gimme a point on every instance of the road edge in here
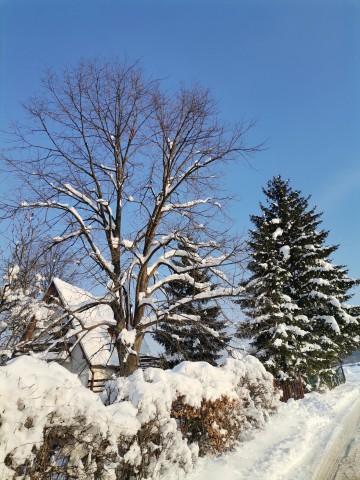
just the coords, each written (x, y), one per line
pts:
(335, 450)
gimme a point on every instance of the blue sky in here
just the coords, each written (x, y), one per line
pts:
(294, 66)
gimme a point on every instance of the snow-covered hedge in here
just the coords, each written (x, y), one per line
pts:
(51, 424)
(193, 408)
(152, 424)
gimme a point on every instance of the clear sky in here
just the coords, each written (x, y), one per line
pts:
(293, 65)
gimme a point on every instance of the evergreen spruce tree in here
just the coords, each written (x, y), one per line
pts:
(184, 339)
(296, 298)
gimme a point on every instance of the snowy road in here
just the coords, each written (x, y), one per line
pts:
(349, 468)
(340, 458)
(317, 438)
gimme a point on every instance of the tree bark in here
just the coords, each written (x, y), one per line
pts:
(129, 361)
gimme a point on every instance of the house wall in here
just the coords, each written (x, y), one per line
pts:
(92, 377)
(103, 372)
(79, 365)
(98, 377)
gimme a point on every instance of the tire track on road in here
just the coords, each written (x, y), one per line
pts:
(337, 449)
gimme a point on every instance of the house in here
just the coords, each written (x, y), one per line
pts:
(90, 352)
(353, 358)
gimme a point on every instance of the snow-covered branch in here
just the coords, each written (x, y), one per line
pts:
(181, 206)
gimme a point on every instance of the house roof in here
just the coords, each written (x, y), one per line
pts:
(96, 343)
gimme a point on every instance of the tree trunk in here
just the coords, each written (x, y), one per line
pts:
(129, 362)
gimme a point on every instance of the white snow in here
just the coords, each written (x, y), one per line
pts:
(187, 205)
(36, 395)
(292, 443)
(127, 337)
(334, 301)
(330, 320)
(319, 281)
(285, 251)
(153, 391)
(278, 232)
(280, 330)
(324, 265)
(127, 243)
(115, 241)
(101, 201)
(12, 273)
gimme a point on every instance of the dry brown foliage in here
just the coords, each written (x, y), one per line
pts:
(215, 425)
(54, 459)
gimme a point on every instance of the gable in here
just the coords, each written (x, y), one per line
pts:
(93, 337)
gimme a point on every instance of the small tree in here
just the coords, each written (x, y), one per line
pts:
(295, 298)
(36, 258)
(119, 168)
(26, 273)
(20, 311)
(204, 339)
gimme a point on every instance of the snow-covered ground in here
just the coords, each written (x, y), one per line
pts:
(295, 440)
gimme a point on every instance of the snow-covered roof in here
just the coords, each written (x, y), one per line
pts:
(96, 342)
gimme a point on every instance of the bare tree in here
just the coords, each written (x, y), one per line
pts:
(21, 313)
(27, 267)
(128, 172)
(37, 259)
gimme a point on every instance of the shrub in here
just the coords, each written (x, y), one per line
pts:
(212, 407)
(214, 426)
(52, 427)
(154, 424)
